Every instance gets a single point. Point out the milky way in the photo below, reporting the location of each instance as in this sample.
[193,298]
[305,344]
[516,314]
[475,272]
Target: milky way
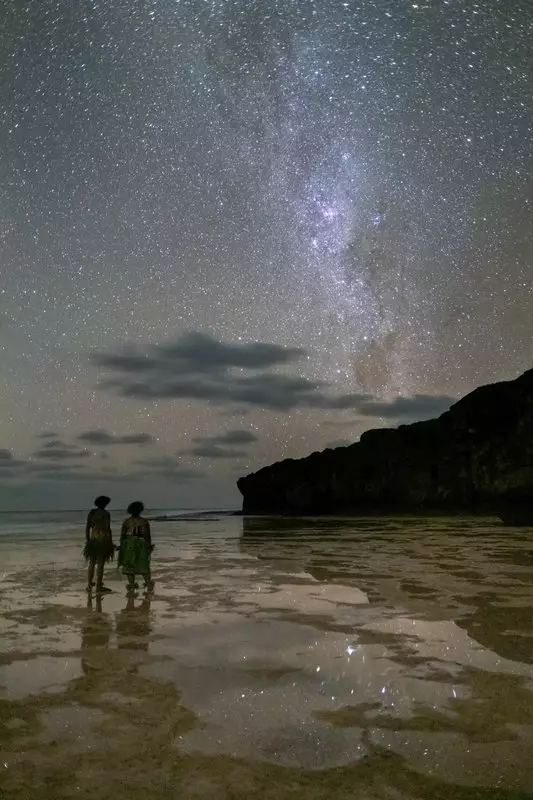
[351,179]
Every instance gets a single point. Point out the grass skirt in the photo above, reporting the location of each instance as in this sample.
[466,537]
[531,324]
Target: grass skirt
[99,548]
[134,556]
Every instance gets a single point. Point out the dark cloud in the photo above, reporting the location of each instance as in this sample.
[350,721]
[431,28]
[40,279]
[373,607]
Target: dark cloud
[102,437]
[47,469]
[275,392]
[268,391]
[198,367]
[346,402]
[220,446]
[408,409]
[9,465]
[61,453]
[232,437]
[54,449]
[209,450]
[198,353]
[167,467]
[47,435]
[54,444]
[234,412]
[158,462]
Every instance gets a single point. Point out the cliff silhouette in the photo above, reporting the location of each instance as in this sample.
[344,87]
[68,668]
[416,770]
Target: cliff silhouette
[475,458]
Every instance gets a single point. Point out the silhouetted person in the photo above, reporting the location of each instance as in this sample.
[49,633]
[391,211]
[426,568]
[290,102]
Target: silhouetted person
[136,547]
[99,546]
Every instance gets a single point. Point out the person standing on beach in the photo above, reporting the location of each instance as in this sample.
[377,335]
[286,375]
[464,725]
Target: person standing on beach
[99,546]
[136,547]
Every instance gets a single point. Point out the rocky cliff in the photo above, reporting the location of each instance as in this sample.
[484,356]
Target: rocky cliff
[477,458]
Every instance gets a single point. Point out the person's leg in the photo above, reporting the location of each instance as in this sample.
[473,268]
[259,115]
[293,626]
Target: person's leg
[90,573]
[148,582]
[131,580]
[100,572]
[100,564]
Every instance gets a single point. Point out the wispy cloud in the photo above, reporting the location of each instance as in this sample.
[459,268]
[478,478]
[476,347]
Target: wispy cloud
[103,437]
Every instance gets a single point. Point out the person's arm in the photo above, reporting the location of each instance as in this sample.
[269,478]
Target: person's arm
[88,524]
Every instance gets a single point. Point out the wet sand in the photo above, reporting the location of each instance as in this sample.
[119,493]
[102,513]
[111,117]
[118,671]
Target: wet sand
[275,659]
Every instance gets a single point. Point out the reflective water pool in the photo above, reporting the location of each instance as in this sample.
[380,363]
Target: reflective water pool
[276,658]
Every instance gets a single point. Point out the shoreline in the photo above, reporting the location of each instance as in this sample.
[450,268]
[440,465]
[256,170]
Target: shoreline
[380,515]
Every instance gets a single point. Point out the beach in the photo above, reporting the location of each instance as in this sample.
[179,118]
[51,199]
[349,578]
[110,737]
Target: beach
[276,658]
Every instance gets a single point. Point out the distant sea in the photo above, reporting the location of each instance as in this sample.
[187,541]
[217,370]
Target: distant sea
[40,523]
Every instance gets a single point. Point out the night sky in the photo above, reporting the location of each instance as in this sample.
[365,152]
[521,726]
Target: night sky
[237,231]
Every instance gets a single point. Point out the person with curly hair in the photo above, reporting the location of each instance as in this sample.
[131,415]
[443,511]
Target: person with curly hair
[136,547]
[99,546]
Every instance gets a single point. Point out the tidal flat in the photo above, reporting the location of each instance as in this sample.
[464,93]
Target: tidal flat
[312,658]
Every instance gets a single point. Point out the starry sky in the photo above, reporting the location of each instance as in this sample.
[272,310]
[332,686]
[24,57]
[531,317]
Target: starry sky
[234,231]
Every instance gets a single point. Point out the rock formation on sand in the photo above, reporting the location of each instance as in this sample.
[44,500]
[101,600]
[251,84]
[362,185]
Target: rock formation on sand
[475,458]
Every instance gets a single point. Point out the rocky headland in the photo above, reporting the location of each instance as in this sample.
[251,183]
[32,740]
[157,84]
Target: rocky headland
[475,458]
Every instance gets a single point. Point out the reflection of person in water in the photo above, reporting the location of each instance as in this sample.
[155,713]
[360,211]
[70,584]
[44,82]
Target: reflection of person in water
[133,625]
[95,632]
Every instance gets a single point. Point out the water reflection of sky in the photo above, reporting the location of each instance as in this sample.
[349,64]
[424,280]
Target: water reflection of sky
[304,648]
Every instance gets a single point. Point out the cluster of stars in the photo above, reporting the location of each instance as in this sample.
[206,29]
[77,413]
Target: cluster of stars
[348,177]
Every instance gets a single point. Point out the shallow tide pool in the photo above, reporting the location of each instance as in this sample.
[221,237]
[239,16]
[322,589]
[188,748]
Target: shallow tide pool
[276,659]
